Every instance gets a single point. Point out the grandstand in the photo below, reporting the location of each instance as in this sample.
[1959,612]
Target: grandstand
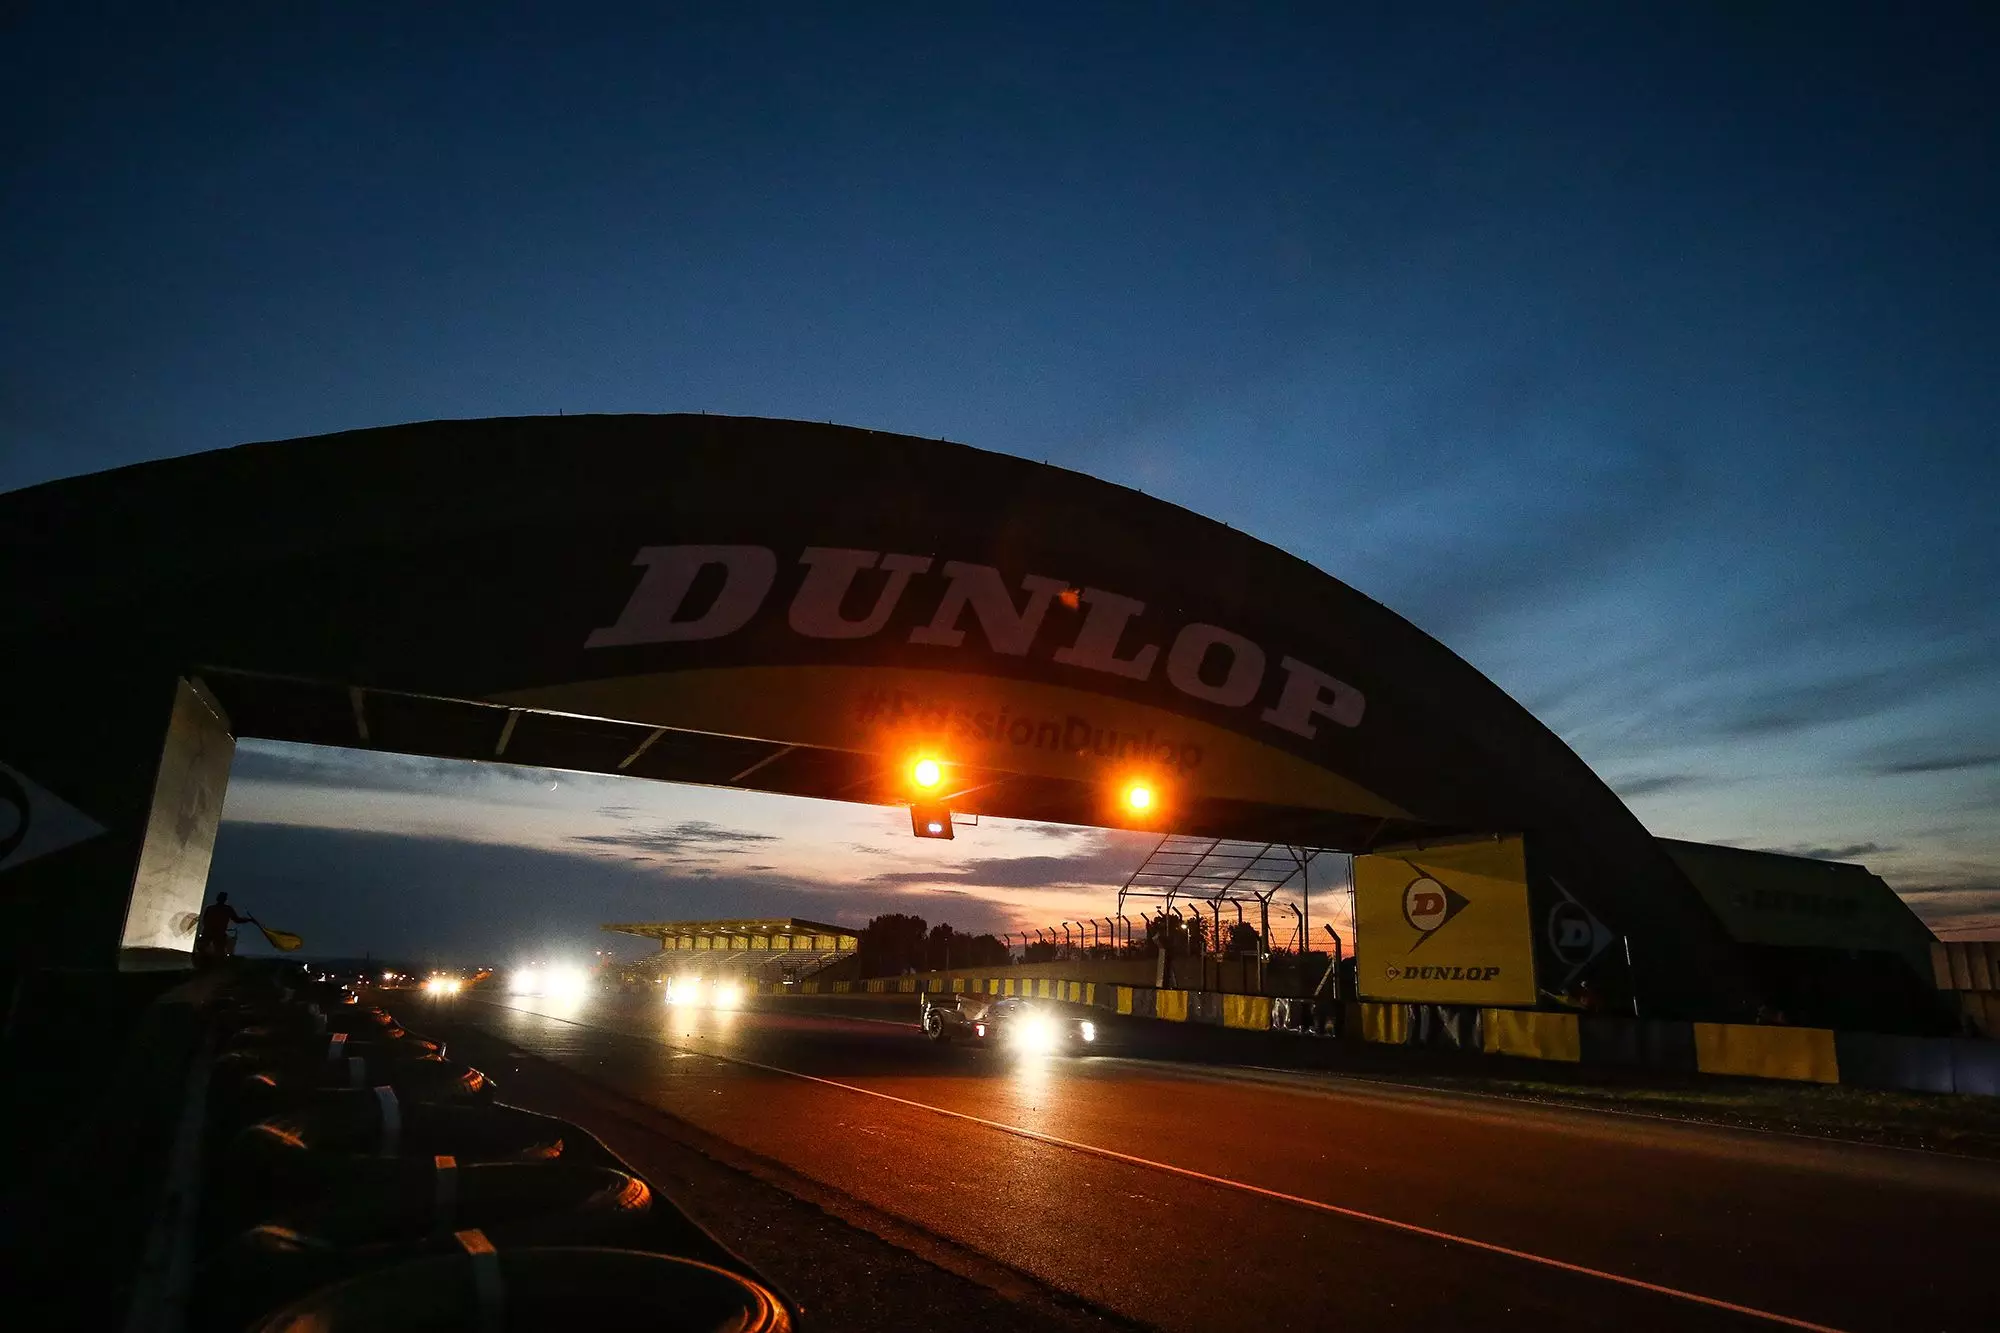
[778,950]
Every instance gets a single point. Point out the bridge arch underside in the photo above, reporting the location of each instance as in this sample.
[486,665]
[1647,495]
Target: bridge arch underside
[767,605]
[317,713]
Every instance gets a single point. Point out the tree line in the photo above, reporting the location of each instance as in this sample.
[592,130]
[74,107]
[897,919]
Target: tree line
[896,942]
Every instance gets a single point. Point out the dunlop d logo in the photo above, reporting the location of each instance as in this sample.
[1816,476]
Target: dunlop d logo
[1429,906]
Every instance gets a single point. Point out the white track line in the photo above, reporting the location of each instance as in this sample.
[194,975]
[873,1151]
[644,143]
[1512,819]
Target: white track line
[1188,1173]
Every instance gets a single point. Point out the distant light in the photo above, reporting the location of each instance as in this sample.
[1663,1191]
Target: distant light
[927,773]
[1139,796]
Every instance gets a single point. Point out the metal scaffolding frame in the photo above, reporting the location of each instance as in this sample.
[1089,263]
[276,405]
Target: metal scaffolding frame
[1214,871]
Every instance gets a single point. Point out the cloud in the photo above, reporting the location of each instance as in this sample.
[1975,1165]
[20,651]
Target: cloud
[1943,763]
[1742,684]
[372,770]
[1111,864]
[1632,788]
[1796,706]
[1471,572]
[694,835]
[350,892]
[1063,831]
[1846,853]
[1954,910]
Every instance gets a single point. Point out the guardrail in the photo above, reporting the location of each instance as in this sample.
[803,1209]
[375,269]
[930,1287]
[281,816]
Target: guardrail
[1811,1055]
[1814,1055]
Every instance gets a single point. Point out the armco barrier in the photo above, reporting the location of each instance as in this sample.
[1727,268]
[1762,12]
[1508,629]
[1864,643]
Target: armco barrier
[1385,1023]
[1919,1064]
[1804,1054]
[1975,1067]
[1647,1043]
[1250,1012]
[1532,1033]
[1869,1060]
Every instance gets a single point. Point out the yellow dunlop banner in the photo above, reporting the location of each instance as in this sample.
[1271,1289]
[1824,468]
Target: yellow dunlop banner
[1446,924]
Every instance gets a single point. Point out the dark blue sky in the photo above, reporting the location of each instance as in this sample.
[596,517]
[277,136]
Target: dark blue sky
[1647,360]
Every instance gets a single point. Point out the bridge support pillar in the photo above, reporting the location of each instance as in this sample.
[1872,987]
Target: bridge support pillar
[111,790]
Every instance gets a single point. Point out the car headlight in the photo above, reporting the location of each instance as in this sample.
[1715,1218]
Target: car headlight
[1087,1029]
[1032,1032]
[728,995]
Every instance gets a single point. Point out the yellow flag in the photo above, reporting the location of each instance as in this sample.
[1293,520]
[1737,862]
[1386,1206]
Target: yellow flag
[281,939]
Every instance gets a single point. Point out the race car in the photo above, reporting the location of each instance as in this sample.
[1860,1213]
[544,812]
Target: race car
[1013,1021]
[703,992]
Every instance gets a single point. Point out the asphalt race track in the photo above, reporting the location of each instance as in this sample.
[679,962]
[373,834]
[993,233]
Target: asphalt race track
[1184,1196]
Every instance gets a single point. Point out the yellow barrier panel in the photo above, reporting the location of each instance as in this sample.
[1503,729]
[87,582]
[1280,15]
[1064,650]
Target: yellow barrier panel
[1803,1054]
[1386,1023]
[1010,985]
[1171,1005]
[1538,1036]
[958,985]
[1124,998]
[1246,1011]
[1090,992]
[809,988]
[907,984]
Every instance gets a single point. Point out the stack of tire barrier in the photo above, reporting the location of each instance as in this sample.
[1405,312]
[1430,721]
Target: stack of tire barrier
[359,1179]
